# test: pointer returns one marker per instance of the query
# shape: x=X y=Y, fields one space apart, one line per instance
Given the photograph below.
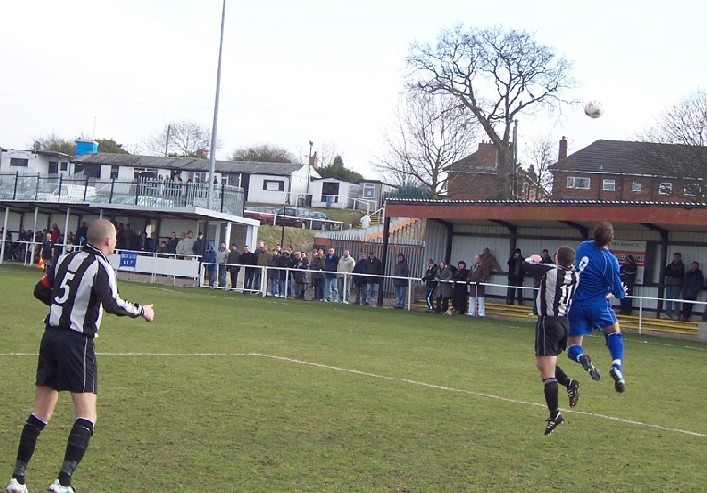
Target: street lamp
x=309 y=167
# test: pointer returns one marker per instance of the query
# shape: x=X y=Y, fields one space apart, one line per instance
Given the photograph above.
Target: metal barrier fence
x=142 y=192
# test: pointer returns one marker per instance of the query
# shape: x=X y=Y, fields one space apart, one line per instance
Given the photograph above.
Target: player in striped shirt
x=554 y=298
x=78 y=288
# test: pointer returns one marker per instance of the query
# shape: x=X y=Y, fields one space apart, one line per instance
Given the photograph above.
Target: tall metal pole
x=309 y=167
x=212 y=151
x=514 y=182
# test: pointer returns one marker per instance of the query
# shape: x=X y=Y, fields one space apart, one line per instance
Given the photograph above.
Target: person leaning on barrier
x=401 y=270
x=359 y=280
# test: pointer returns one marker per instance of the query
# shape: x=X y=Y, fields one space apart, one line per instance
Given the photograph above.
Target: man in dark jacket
x=234 y=257
x=430 y=284
x=460 y=288
x=331 y=286
x=359 y=281
x=199 y=245
x=691 y=288
x=248 y=258
x=401 y=270
x=516 y=276
x=674 y=276
x=374 y=267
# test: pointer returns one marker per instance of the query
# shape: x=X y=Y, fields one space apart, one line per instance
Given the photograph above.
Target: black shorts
x=67 y=361
x=551 y=336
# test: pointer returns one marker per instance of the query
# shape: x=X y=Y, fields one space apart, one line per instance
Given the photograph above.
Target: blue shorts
x=593 y=316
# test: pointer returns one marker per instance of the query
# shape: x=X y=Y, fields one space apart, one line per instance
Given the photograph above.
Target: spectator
x=459 y=290
x=359 y=281
x=693 y=282
x=188 y=245
x=274 y=274
x=317 y=276
x=375 y=268
x=401 y=270
x=674 y=276
x=209 y=262
x=199 y=246
x=487 y=257
x=430 y=280
x=47 y=252
x=627 y=273
x=301 y=274
x=283 y=262
x=263 y=258
x=162 y=249
x=248 y=259
x=516 y=276
x=478 y=274
x=445 y=277
x=234 y=257
x=172 y=243
x=222 y=260
x=344 y=268
x=331 y=263
x=81 y=233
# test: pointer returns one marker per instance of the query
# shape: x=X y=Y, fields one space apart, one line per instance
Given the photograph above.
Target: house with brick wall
x=475 y=177
x=629 y=171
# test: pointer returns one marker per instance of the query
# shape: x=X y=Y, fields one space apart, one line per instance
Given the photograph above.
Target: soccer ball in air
x=593 y=109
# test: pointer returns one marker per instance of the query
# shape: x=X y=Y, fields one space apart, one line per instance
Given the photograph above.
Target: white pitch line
x=404 y=380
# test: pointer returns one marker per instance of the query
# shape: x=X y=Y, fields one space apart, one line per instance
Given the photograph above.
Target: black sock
x=551 y=395
x=28 y=441
x=562 y=377
x=78 y=443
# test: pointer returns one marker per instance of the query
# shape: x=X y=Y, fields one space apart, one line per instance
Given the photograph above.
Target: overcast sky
x=326 y=71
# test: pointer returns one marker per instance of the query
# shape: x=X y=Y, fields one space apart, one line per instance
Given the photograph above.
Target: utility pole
x=214 y=138
x=166 y=144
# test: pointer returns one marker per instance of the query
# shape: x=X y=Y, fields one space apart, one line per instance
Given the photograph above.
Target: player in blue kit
x=591 y=307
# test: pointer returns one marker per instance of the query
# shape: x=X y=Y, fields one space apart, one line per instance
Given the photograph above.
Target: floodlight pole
x=212 y=151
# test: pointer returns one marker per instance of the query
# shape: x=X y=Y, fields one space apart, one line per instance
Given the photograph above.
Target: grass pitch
x=229 y=392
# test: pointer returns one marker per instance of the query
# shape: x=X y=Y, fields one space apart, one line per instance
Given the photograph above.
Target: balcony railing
x=142 y=192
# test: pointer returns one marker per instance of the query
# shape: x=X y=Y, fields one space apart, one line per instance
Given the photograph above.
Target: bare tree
x=431 y=132
x=496 y=75
x=678 y=149
x=182 y=138
x=539 y=154
x=264 y=153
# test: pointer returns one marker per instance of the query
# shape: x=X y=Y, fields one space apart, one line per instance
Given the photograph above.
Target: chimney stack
x=562 y=153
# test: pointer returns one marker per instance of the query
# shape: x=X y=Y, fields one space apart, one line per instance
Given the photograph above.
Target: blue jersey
x=599 y=271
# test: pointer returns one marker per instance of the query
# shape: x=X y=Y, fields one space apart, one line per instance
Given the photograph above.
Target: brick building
x=629 y=171
x=475 y=177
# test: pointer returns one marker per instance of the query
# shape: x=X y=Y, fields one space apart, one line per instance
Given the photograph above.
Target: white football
x=593 y=109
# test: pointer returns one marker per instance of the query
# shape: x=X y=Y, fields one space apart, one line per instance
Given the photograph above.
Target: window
x=636 y=186
x=114 y=171
x=578 y=182
x=53 y=167
x=64 y=166
x=18 y=161
x=274 y=185
x=665 y=189
x=689 y=190
x=609 y=185
x=369 y=190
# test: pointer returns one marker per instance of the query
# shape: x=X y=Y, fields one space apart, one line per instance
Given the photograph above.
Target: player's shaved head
x=98 y=231
x=566 y=256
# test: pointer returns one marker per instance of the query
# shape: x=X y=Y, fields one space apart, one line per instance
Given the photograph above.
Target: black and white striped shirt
x=556 y=289
x=83 y=284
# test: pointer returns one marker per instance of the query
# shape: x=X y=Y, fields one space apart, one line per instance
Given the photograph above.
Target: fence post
x=17 y=179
